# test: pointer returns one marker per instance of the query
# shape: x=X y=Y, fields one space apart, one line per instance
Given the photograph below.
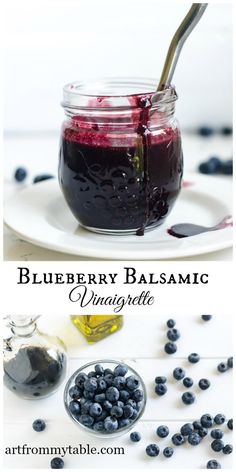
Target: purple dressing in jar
x=121 y=161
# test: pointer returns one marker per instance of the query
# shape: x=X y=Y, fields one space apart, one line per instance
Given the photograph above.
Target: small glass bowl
x=106 y=363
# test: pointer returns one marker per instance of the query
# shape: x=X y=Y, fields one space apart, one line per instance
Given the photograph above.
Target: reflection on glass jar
x=97 y=327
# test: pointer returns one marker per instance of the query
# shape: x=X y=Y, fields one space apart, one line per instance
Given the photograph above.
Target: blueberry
x=124 y=395
x=132 y=382
x=86 y=420
x=197 y=425
x=74 y=407
x=103 y=416
x=168 y=452
x=178 y=373
x=39 y=425
x=193 y=358
x=222 y=367
x=173 y=334
x=75 y=392
x=227 y=449
x=160 y=389
x=100 y=398
x=230 y=424
x=226 y=130
x=120 y=404
x=219 y=419
x=95 y=409
x=98 y=426
x=85 y=406
x=20 y=174
x=121 y=370
x=206 y=317
x=80 y=379
x=99 y=369
x=162 y=431
x=41 y=177
x=205 y=131
x=213 y=464
x=57 y=463
x=134 y=415
x=101 y=385
x=186 y=429
x=124 y=422
x=152 y=450
x=119 y=382
x=109 y=379
x=217 y=445
x=160 y=380
x=88 y=395
x=91 y=384
x=204 y=384
x=92 y=374
x=188 y=398
x=108 y=371
x=171 y=323
x=170 y=348
x=188 y=382
x=194 y=439
x=217 y=434
x=215 y=163
x=230 y=362
x=135 y=437
x=117 y=411
x=138 y=395
x=202 y=432
x=132 y=403
x=205 y=168
x=112 y=394
x=110 y=424
x=206 y=420
x=178 y=439
x=128 y=411
x=227 y=167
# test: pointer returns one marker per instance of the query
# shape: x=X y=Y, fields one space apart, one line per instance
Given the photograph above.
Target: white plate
x=39 y=214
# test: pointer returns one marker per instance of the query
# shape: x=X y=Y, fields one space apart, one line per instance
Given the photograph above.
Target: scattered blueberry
x=152 y=450
x=173 y=334
x=197 y=425
x=135 y=437
x=226 y=130
x=222 y=367
x=162 y=431
x=194 y=439
x=193 y=358
x=219 y=418
x=110 y=424
x=207 y=420
x=227 y=449
x=41 y=177
x=160 y=389
x=178 y=439
x=205 y=131
x=20 y=174
x=178 y=373
x=171 y=323
x=188 y=398
x=170 y=348
x=230 y=424
x=217 y=445
x=57 y=463
x=203 y=432
x=230 y=362
x=39 y=425
x=168 y=452
x=206 y=317
x=188 y=382
x=160 y=380
x=213 y=464
x=204 y=384
x=217 y=434
x=186 y=429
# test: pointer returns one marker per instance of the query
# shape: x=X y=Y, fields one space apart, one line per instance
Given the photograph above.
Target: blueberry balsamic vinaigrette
x=121 y=167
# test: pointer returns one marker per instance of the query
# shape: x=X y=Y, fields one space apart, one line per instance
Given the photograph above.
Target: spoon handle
x=189 y=22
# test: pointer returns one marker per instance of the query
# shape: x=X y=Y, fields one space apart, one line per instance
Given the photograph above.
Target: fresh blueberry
x=109 y=379
x=95 y=409
x=74 y=407
x=80 y=379
x=110 y=424
x=207 y=420
x=132 y=403
x=160 y=380
x=112 y=394
x=88 y=395
x=206 y=168
x=178 y=439
x=92 y=374
x=116 y=411
x=203 y=432
x=75 y=392
x=206 y=317
x=193 y=358
x=135 y=436
x=85 y=406
x=168 y=452
x=227 y=449
x=134 y=415
x=57 y=463
x=170 y=348
x=152 y=450
x=124 y=395
x=98 y=426
x=100 y=398
x=215 y=163
x=188 y=382
x=91 y=384
x=226 y=130
x=204 y=384
x=219 y=419
x=120 y=404
x=217 y=445
x=86 y=420
x=138 y=395
x=230 y=424
x=186 y=429
x=162 y=431
x=39 y=425
x=132 y=382
x=119 y=382
x=128 y=411
x=222 y=367
x=171 y=323
x=217 y=434
x=227 y=167
x=188 y=398
x=173 y=334
x=205 y=131
x=102 y=386
x=20 y=174
x=160 y=389
x=99 y=369
x=41 y=177
x=230 y=362
x=124 y=422
x=178 y=373
x=103 y=415
x=213 y=464
x=194 y=439
x=197 y=425
x=121 y=370
x=108 y=371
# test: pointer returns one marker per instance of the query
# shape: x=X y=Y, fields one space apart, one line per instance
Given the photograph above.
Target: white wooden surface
x=39 y=154
x=140 y=344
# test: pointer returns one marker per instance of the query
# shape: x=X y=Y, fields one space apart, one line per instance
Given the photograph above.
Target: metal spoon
x=189 y=22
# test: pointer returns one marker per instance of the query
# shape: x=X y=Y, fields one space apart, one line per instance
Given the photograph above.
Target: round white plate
x=39 y=214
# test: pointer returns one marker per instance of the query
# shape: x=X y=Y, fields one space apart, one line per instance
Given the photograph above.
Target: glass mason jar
x=121 y=160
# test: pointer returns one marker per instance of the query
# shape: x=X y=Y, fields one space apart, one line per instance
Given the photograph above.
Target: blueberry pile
x=21 y=174
x=106 y=400
x=214 y=165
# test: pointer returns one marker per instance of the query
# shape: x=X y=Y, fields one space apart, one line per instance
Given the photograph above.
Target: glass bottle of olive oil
x=97 y=327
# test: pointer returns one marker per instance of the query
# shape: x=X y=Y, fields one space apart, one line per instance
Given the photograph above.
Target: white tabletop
x=38 y=152
x=140 y=344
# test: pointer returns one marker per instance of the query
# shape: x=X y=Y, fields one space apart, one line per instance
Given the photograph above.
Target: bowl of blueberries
x=105 y=398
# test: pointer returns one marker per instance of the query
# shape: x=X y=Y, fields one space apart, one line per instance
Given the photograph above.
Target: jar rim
x=118 y=91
